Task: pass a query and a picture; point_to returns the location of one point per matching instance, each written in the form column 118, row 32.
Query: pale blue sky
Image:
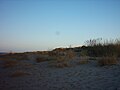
column 30, row 25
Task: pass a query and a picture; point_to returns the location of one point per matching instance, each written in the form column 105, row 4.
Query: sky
column 34, row 25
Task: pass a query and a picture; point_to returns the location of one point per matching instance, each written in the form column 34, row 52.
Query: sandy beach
column 41, row 76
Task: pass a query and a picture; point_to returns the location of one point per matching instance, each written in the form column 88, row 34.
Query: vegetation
column 19, row 73
column 10, row 63
column 62, row 58
column 109, row 50
column 107, row 61
column 83, row 60
column 16, row 56
column 99, row 48
column 106, row 51
column 40, row 59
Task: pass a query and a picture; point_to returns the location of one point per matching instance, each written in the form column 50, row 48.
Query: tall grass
column 108, row 61
column 101, row 48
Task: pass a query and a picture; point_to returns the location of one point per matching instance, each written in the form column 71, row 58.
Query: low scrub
column 108, row 61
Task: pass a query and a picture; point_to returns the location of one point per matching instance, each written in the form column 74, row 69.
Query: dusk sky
column 33, row 25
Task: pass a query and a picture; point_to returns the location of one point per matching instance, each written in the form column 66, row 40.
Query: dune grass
column 111, row 60
column 96, row 48
column 62, row 60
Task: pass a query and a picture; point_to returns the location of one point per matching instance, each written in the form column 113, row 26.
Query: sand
column 41, row 76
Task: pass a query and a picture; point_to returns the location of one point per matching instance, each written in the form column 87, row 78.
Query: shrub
column 107, row 61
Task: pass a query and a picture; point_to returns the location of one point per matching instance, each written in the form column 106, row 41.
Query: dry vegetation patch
column 17, row 56
column 10, row 63
column 83, row 60
column 60, row 62
column 21, row 56
column 19, row 73
column 41, row 59
column 63, row 61
column 62, row 65
column 108, row 61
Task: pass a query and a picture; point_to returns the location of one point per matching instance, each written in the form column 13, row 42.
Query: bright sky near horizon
column 33, row 25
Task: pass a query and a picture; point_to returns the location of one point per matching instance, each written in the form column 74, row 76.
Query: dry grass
column 41, row 59
column 10, row 63
column 83, row 60
column 107, row 61
column 16, row 56
column 62, row 65
column 26, row 65
column 20, row 56
column 62, row 61
column 19, row 73
column 70, row 54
